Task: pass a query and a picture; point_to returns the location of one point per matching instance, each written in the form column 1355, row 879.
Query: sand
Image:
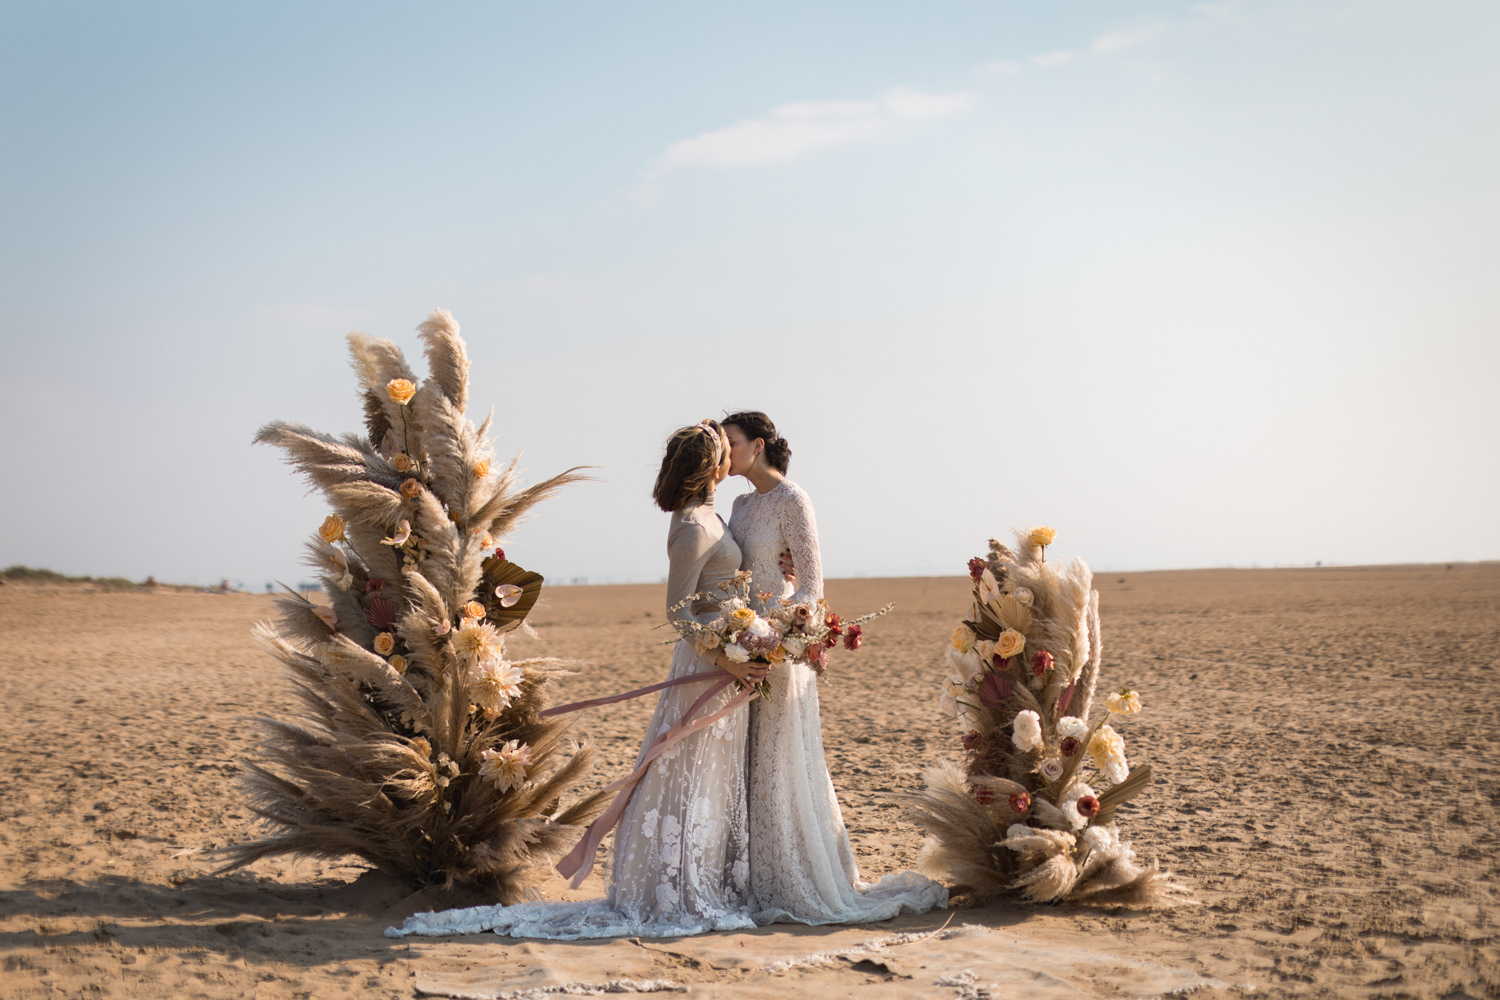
column 1324, row 741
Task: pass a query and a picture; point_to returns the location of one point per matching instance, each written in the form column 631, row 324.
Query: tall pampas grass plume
column 421, row 748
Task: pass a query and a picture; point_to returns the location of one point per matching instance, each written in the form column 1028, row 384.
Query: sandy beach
column 1327, row 786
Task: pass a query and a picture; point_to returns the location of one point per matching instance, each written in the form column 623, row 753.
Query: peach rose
column 400, row 390
column 385, row 644
column 398, row 663
column 963, row 638
column 482, row 469
column 332, row 529
column 473, row 610
column 402, row 461
column 1009, row 644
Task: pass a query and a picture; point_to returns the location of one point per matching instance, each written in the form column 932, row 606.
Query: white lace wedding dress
column 681, row 856
column 801, row 866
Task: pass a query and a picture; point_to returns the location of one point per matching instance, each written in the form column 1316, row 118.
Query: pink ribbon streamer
column 580, row 860
column 578, row 706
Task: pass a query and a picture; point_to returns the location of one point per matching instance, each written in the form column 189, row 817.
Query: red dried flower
column 976, row 568
column 374, row 585
column 1020, row 803
column 1041, row 663
column 972, row 739
column 1000, row 662
column 1088, row 806
column 994, row 690
column 1066, row 699
column 852, row 640
column 984, row 794
column 1069, row 746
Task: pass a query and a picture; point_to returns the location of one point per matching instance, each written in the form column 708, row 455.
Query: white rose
column 1028, row 731
column 1100, row 839
column 1051, row 768
column 760, row 628
column 984, row 648
column 737, row 653
column 1072, row 726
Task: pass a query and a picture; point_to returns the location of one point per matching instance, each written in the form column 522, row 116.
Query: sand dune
column 1325, row 745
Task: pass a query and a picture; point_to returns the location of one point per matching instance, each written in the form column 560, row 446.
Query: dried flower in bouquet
column 1033, row 809
column 785, row 630
column 422, row 750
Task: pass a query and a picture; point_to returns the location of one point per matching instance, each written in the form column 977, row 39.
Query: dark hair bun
column 757, row 425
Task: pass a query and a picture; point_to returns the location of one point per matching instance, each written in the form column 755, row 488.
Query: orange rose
column 410, row 489
column 400, row 390
column 481, row 470
column 332, row 529
column 473, row 610
column 1009, row 644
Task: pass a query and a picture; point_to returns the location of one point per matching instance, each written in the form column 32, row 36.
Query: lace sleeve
column 688, row 548
column 801, row 530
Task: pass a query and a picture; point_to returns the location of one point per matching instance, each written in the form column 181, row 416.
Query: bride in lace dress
column 682, row 856
column 801, row 866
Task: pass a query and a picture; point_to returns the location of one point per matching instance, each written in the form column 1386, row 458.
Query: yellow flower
column 473, row 610
column 398, row 663
column 1041, row 536
column 1009, row 644
column 1124, row 702
column 410, row 489
column 385, row 644
column 778, row 654
column 963, row 638
column 482, row 469
column 332, row 529
column 400, row 390
column 401, row 461
column 741, row 618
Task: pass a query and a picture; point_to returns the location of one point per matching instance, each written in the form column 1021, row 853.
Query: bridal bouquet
column 423, row 748
column 1034, row 808
column 784, row 630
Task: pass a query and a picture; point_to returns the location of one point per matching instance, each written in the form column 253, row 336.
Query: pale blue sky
column 1197, row 284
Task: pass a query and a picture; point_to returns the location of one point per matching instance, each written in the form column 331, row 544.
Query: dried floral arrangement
column 422, row 750
column 1033, row 811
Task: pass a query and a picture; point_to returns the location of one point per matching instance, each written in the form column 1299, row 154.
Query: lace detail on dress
column 801, row 866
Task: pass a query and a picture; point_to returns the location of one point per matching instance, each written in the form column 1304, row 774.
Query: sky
column 1197, row 284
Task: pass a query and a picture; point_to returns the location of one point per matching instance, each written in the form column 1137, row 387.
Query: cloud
column 790, row 131
column 1104, row 45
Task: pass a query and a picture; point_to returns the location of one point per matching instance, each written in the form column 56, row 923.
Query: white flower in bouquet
column 1023, row 594
column 737, row 653
column 507, row 766
column 1073, row 726
column 1028, row 730
column 968, row 665
column 984, row 649
column 493, row 684
column 760, row 628
column 478, row 641
column 794, row 645
column 706, row 642
column 1101, row 840
column 1107, row 748
column 733, row 604
column 1124, row 702
column 989, row 590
